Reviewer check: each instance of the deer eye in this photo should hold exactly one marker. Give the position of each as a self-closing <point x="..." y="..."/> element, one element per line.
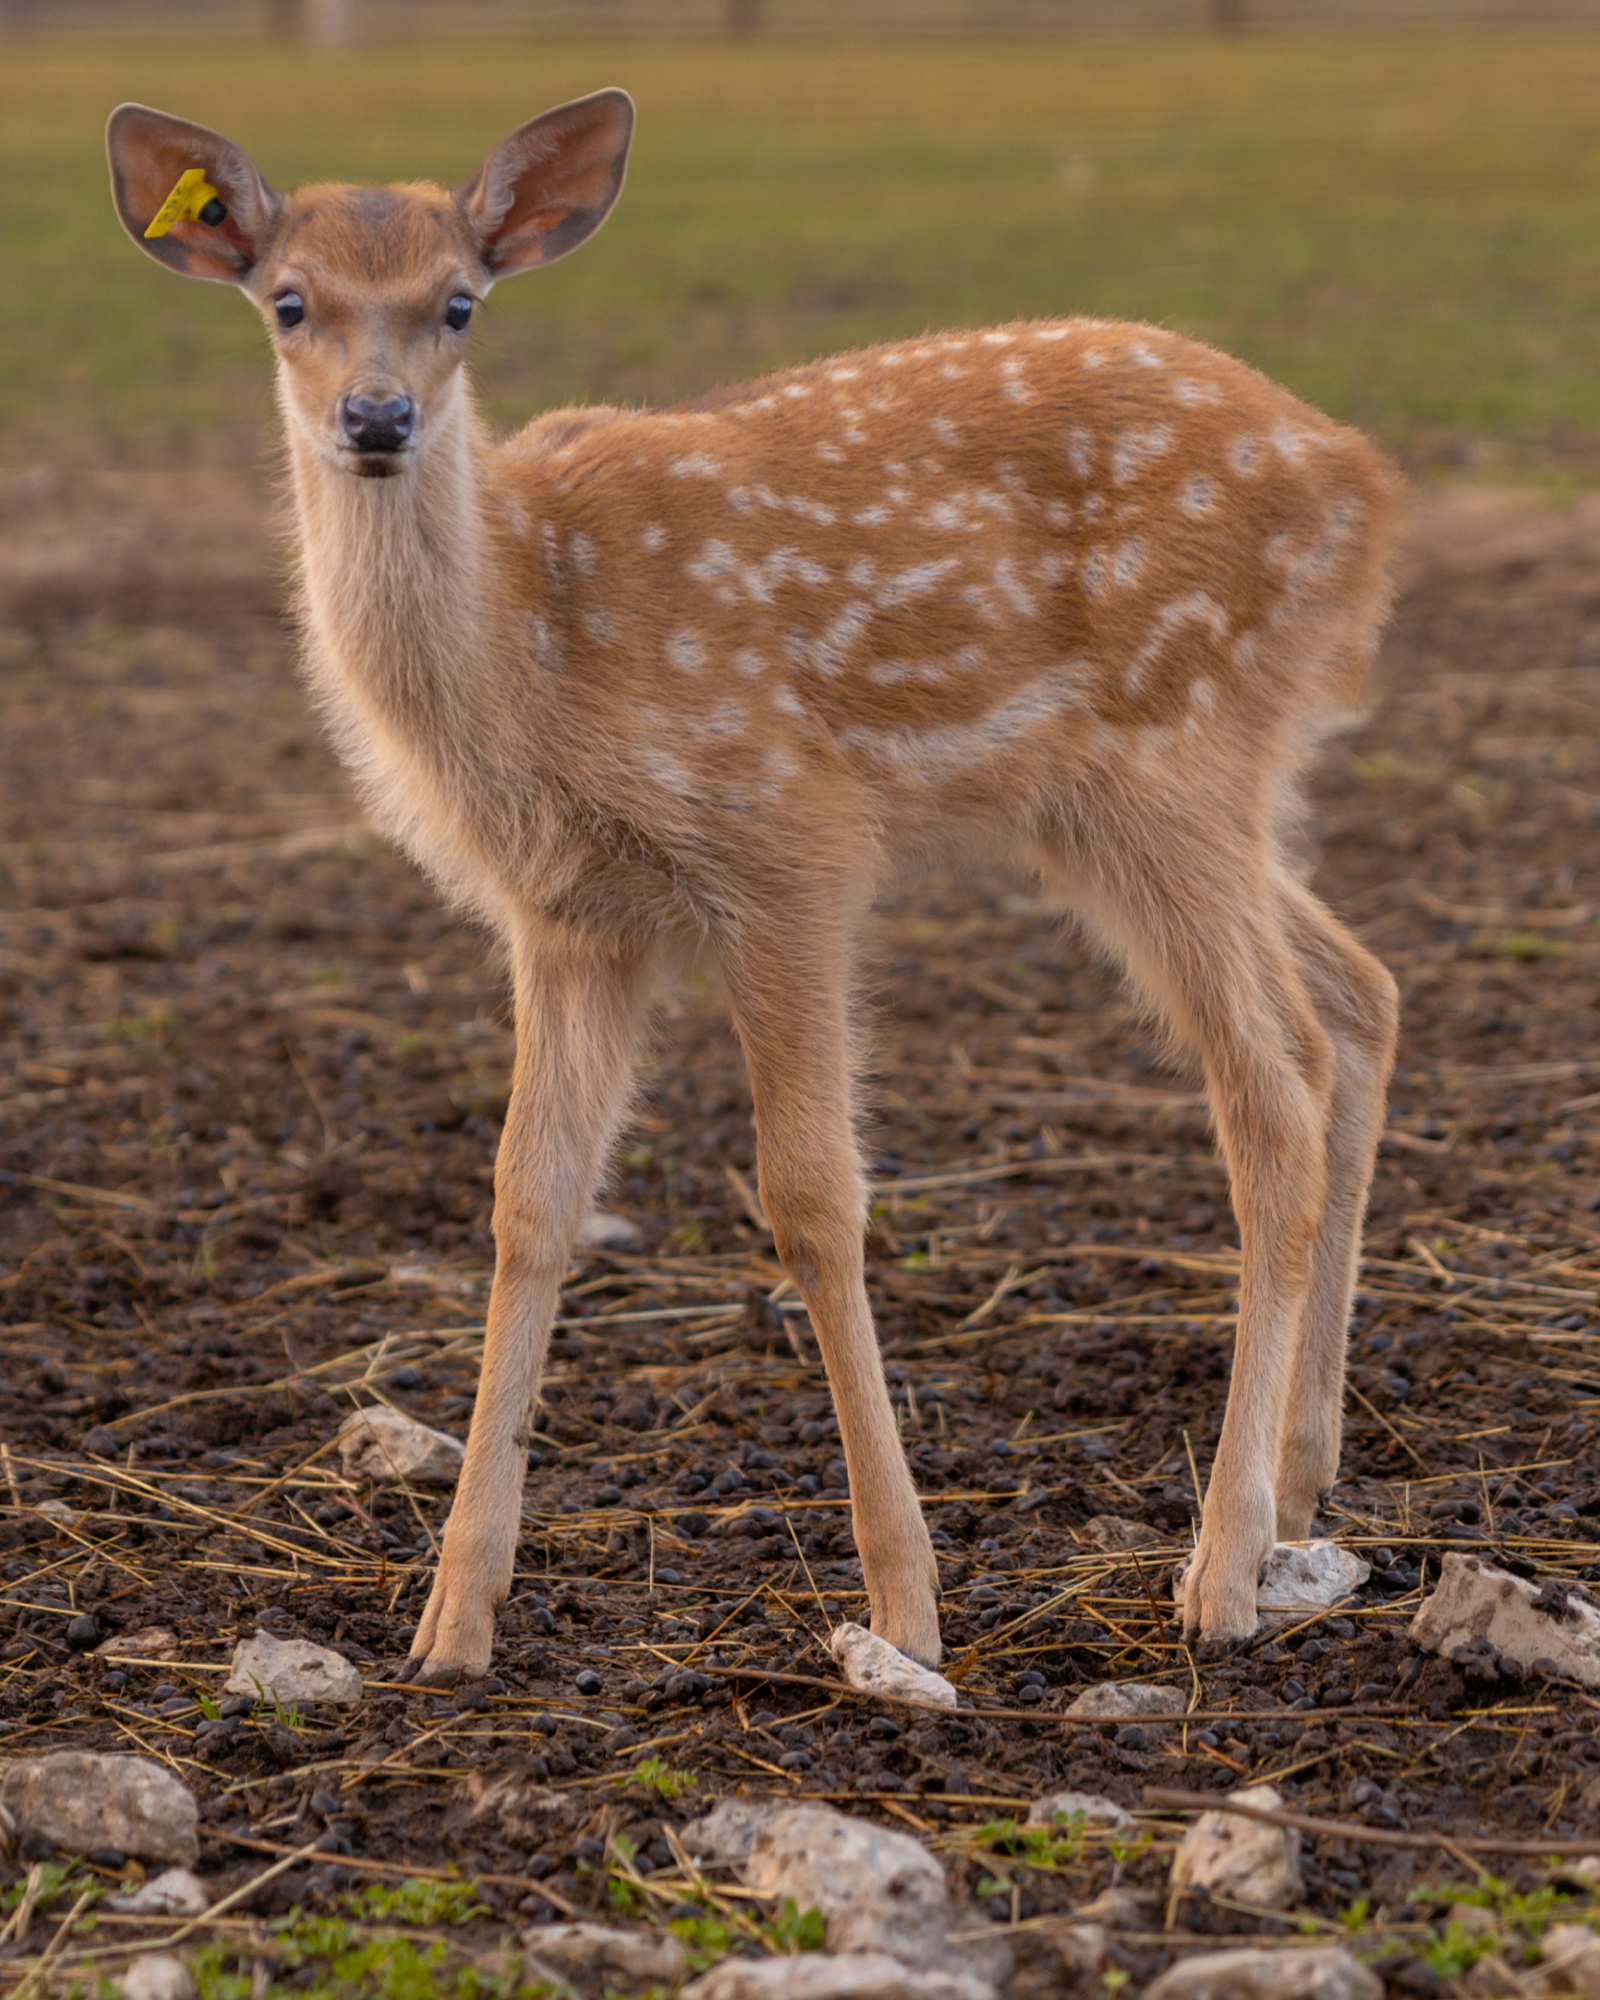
<point x="291" y="308"/>
<point x="458" y="312"/>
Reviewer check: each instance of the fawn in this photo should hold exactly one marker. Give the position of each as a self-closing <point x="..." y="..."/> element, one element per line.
<point x="1076" y="595"/>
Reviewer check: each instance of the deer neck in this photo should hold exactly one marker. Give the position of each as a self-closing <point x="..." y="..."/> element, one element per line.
<point x="400" y="593"/>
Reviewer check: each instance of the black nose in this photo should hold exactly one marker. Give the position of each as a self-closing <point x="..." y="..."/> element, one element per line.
<point x="377" y="423"/>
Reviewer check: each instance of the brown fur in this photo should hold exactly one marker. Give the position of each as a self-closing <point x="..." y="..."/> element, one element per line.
<point x="1073" y="594"/>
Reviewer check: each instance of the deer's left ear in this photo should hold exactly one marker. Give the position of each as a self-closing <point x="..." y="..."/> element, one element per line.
<point x="541" y="192"/>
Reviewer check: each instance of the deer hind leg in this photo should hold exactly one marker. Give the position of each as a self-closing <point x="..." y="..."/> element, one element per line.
<point x="1207" y="946"/>
<point x="792" y="1023"/>
<point x="579" y="1012"/>
<point x="1356" y="1002"/>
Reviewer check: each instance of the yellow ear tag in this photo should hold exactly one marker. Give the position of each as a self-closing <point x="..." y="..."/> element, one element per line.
<point x="185" y="202"/>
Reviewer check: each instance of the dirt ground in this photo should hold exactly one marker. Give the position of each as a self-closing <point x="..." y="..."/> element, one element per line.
<point x="248" y="1112"/>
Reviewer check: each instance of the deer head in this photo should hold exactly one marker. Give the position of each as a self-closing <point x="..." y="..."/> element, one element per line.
<point x="368" y="293"/>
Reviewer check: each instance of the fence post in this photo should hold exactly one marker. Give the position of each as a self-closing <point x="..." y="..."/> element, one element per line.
<point x="330" y="24"/>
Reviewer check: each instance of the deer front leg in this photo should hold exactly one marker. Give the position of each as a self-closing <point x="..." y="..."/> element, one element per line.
<point x="578" y="1011"/>
<point x="791" y="1022"/>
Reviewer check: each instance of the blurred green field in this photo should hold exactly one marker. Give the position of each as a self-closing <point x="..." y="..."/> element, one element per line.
<point x="1405" y="231"/>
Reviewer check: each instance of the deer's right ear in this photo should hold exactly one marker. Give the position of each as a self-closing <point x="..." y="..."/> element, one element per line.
<point x="215" y="226"/>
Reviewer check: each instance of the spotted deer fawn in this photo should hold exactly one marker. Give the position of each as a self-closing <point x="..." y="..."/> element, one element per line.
<point x="1073" y="595"/>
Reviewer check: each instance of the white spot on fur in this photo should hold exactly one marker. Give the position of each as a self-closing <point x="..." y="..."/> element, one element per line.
<point x="1244" y="455"/>
<point x="945" y="431"/>
<point x="916" y="581"/>
<point x="1127" y="562"/>
<point x="725" y="721"/>
<point x="1012" y="383"/>
<point x="1199" y="496"/>
<point x="749" y="662"/>
<point x="1187" y="390"/>
<point x="598" y="626"/>
<point x="825" y="652"/>
<point x="583" y="554"/>
<point x="1198" y="608"/>
<point x="1010" y="587"/>
<point x="1135" y="449"/>
<point x="862" y="573"/>
<point x="687" y="651"/>
<point x="1050" y="332"/>
<point x="932" y="754"/>
<point x="871" y="517"/>
<point x="994" y="338"/>
<point x="1080" y="451"/>
<point x="653" y="537"/>
<point x="1202" y="694"/>
<point x="694" y="465"/>
<point x="665" y="769"/>
<point x="1145" y="356"/>
<point x="787" y="701"/>
<point x="829" y="453"/>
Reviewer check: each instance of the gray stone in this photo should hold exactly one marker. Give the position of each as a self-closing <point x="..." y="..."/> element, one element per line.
<point x="1112" y="1699"/>
<point x="1301" y="1972"/>
<point x="600" y="1229"/>
<point x="1495" y="1615"/>
<point x="1570" y="1955"/>
<point x="878" y="1891"/>
<point x="1297" y="1578"/>
<point x="83" y="1799"/>
<point x="380" y="1444"/>
<point x="1112" y="1532"/>
<point x="819" y="1975"/>
<point x="576" y="1951"/>
<point x="175" y="1892"/>
<point x="1246" y="1860"/>
<point x="722" y="1837"/>
<point x="1096" y="1811"/>
<point x="873" y="1665"/>
<point x="150" y="1642"/>
<point x="159" y="1977"/>
<point x="292" y="1670"/>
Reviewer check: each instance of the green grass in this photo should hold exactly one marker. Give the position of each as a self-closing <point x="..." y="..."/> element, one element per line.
<point x="1407" y="232"/>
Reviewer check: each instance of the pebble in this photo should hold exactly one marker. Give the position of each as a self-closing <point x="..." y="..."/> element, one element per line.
<point x="292" y="1671"/>
<point x="1246" y="1860"/>
<point x="82" y="1799"/>
<point x="722" y="1838"/>
<point x="1112" y="1699"/>
<point x="150" y="1642"/>
<point x="382" y="1445"/>
<point x="820" y="1975"/>
<point x="1570" y="1954"/>
<point x="1300" y="1972"/>
<point x="873" y="1665"/>
<point x="1116" y="1531"/>
<point x="1497" y="1616"/>
<point x="1096" y="1810"/>
<point x="175" y="1892"/>
<point x="601" y="1229"/>
<point x="581" y="1950"/>
<point x="159" y="1977"/>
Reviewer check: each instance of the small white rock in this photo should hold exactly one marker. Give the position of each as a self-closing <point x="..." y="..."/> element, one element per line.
<point x="1475" y="1603"/>
<point x="873" y="1665"/>
<point x="722" y="1837"/>
<point x="57" y="1511"/>
<point x="1296" y="1578"/>
<point x="150" y="1642"/>
<point x="600" y="1229"/>
<point x="380" y="1444"/>
<point x="175" y="1892"/>
<point x="1096" y="1810"/>
<point x="292" y="1670"/>
<point x="820" y="1975"/>
<point x="1116" y="1698"/>
<point x="578" y="1949"/>
<point x="1246" y="1860"/>
<point x="1301" y="1972"/>
<point x="1570" y="1954"/>
<point x="878" y="1891"/>
<point x="159" y="1977"/>
<point x="83" y="1799"/>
